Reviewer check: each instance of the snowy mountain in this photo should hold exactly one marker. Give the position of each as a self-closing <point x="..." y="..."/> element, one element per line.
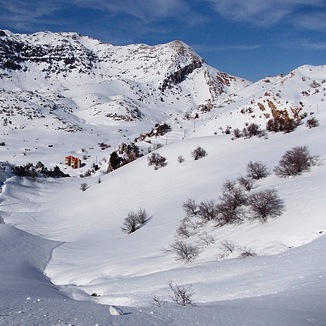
<point x="65" y="257"/>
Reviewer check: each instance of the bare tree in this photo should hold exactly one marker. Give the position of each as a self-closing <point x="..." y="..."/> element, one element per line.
<point x="181" y="294"/>
<point x="294" y="162"/>
<point x="265" y="204"/>
<point x="257" y="170"/>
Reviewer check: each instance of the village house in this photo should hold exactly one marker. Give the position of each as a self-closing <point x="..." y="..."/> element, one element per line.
<point x="72" y="161"/>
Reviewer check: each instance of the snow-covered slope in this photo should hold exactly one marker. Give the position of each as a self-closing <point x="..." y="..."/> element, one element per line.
<point x="64" y="257"/>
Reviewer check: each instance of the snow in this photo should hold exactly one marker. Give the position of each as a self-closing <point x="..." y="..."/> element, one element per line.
<point x="64" y="258"/>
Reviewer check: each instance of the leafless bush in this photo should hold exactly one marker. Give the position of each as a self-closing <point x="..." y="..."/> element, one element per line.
<point x="134" y="221"/>
<point x="198" y="153"/>
<point x="190" y="207"/>
<point x="228" y="246"/>
<point x="252" y="130"/>
<point x="157" y="160"/>
<point x="130" y="223"/>
<point x="229" y="215"/>
<point x="247" y="252"/>
<point x="206" y="239"/>
<point x="181" y="294"/>
<point x="281" y="124"/>
<point x="312" y="123"/>
<point x="257" y="170"/>
<point x="265" y="204"/>
<point x="141" y="216"/>
<point x="246" y="183"/>
<point x="207" y="211"/>
<point x="230" y="209"/>
<point x="83" y="186"/>
<point x="157" y="301"/>
<point x="294" y="162"/>
<point x="237" y="133"/>
<point x="187" y="228"/>
<point x="184" y="252"/>
<point x="181" y="159"/>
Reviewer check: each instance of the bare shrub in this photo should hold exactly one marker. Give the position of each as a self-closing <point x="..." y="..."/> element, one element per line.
<point x="130" y="223"/>
<point x="281" y="124"/>
<point x="252" y="130"/>
<point x="246" y="183"/>
<point x="198" y="153"/>
<point x="190" y="207"/>
<point x="184" y="252"/>
<point x="294" y="162"/>
<point x="134" y="221"/>
<point x="157" y="160"/>
<point x="83" y="186"/>
<point x="265" y="204"/>
<point x="228" y="246"/>
<point x="181" y="294"/>
<point x="157" y="301"/>
<point x="206" y="239"/>
<point x="229" y="215"/>
<point x="257" y="170"/>
<point x="312" y="123"/>
<point x="237" y="133"/>
<point x="181" y="159"/>
<point x="207" y="211"/>
<point x="233" y="194"/>
<point x="187" y="228"/>
<point x="141" y="216"/>
<point x="230" y="208"/>
<point x="247" y="252"/>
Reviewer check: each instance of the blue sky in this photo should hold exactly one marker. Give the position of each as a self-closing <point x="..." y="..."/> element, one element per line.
<point x="247" y="38"/>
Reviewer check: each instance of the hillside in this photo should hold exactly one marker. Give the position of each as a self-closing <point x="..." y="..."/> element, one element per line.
<point x="63" y="248"/>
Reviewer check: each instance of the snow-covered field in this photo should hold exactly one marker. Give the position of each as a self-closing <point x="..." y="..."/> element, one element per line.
<point x="56" y="233"/>
<point x="64" y="258"/>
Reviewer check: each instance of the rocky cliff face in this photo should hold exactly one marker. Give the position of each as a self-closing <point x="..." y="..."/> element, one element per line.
<point x="67" y="55"/>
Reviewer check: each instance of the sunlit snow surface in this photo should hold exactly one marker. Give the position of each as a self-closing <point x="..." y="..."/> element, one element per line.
<point x="60" y="246"/>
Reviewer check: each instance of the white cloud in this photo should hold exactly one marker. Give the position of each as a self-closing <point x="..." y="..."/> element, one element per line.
<point x="312" y="21"/>
<point x="24" y="15"/>
<point x="142" y="9"/>
<point x="261" y="12"/>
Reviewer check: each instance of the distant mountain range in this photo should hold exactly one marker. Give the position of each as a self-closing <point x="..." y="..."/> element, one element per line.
<point x="69" y="82"/>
